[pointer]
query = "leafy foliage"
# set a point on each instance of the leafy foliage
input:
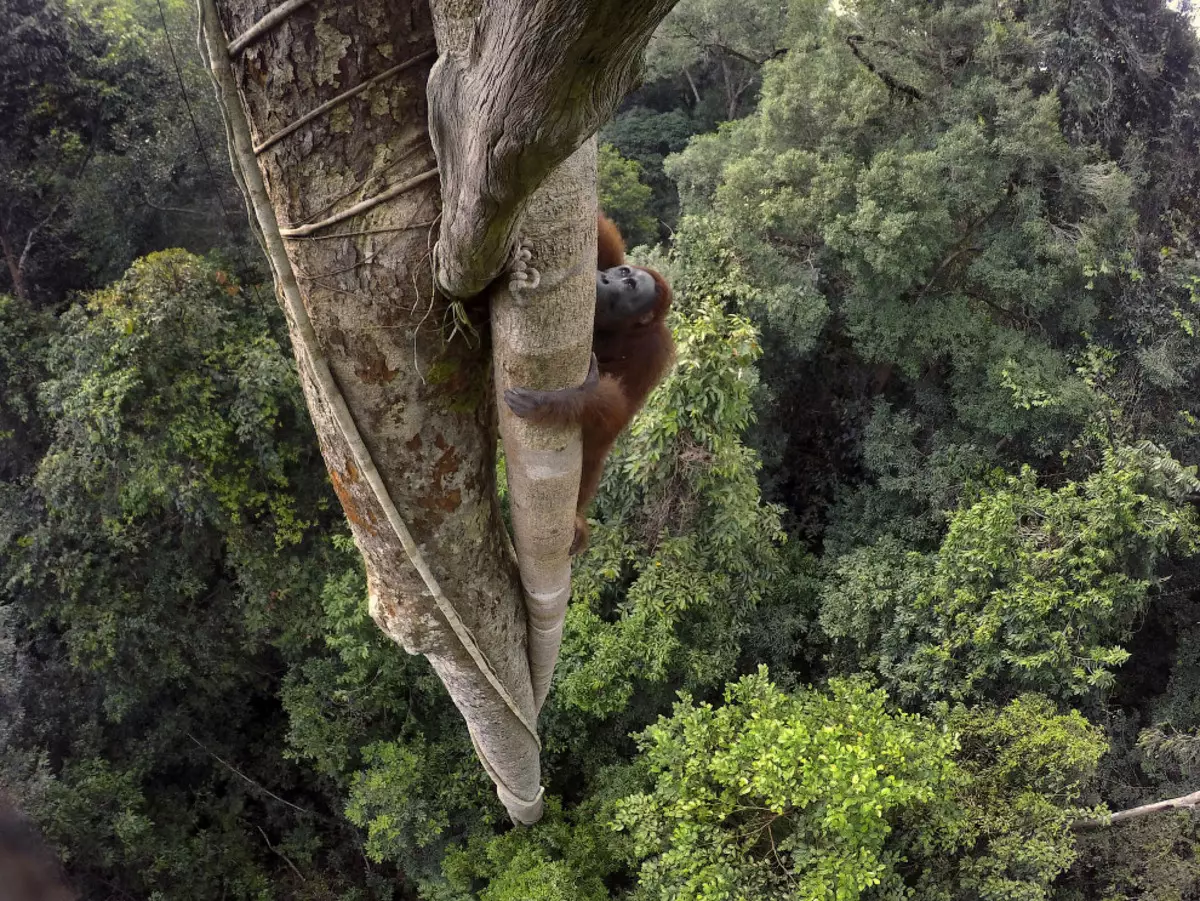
(101, 160)
(623, 196)
(164, 565)
(23, 339)
(1024, 771)
(1032, 588)
(776, 796)
(937, 316)
(685, 547)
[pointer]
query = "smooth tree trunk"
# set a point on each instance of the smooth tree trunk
(542, 338)
(519, 89)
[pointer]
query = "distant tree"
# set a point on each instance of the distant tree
(24, 334)
(647, 137)
(624, 197)
(734, 39)
(1032, 588)
(162, 569)
(107, 145)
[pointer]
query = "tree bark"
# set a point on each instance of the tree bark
(515, 98)
(542, 338)
(1183, 802)
(330, 134)
(16, 273)
(402, 412)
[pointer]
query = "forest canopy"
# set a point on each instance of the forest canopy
(893, 588)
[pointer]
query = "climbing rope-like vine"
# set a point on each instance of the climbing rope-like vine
(340, 98)
(270, 21)
(395, 190)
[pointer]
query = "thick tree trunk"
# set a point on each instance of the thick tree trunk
(346, 203)
(326, 106)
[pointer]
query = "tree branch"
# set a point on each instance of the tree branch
(520, 85)
(1183, 802)
(758, 61)
(893, 84)
(691, 84)
(963, 244)
(87, 158)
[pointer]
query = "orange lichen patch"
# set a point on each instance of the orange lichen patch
(343, 481)
(440, 497)
(447, 463)
(447, 502)
(372, 368)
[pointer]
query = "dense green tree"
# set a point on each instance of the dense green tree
(1031, 589)
(23, 338)
(944, 220)
(732, 41)
(624, 197)
(913, 222)
(645, 137)
(941, 281)
(163, 568)
(810, 795)
(777, 796)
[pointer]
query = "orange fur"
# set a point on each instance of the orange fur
(610, 246)
(631, 358)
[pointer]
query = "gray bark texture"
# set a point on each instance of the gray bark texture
(518, 87)
(518, 91)
(368, 328)
(542, 338)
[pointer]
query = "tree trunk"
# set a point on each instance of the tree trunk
(15, 273)
(731, 96)
(542, 338)
(402, 410)
(519, 87)
(687, 73)
(330, 136)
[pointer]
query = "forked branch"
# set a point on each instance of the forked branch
(518, 87)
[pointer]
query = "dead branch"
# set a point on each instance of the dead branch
(1183, 802)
